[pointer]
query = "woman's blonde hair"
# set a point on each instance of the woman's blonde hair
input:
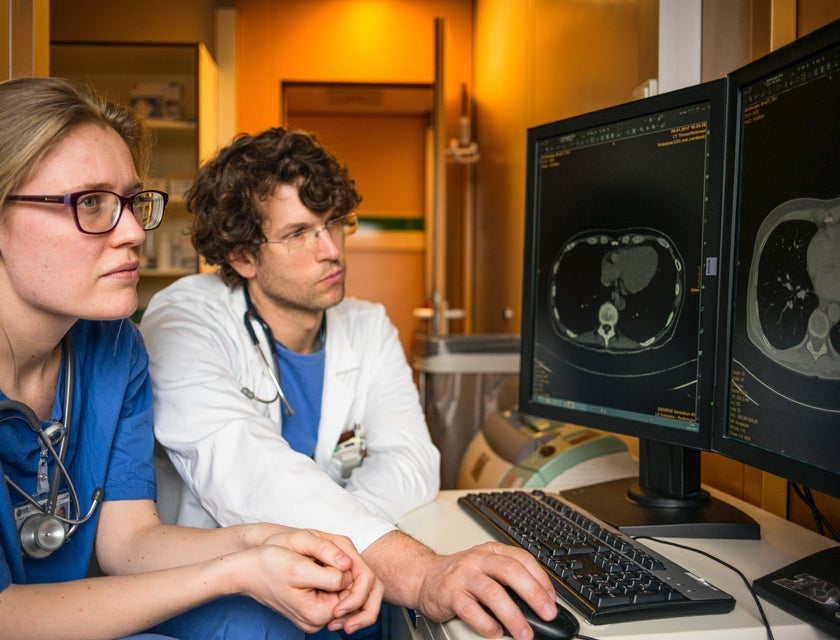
(35, 113)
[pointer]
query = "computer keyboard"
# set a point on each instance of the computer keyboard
(604, 574)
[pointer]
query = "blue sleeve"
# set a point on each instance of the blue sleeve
(8, 537)
(113, 422)
(131, 473)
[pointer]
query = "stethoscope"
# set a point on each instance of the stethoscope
(351, 448)
(46, 531)
(250, 317)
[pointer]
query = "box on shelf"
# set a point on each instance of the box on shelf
(156, 100)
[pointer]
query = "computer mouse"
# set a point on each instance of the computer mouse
(564, 627)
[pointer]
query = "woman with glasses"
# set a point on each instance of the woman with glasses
(76, 437)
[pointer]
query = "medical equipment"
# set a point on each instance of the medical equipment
(251, 315)
(42, 527)
(514, 451)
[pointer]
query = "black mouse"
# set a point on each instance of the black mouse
(564, 627)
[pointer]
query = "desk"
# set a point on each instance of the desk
(446, 528)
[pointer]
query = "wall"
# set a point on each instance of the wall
(147, 21)
(344, 40)
(544, 60)
(358, 41)
(536, 62)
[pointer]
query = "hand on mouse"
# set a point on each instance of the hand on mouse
(463, 584)
(502, 612)
(564, 626)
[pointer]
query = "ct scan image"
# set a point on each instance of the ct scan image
(793, 297)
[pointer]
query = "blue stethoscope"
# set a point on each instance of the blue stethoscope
(44, 532)
(250, 317)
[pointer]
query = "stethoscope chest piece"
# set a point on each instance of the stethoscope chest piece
(48, 523)
(41, 534)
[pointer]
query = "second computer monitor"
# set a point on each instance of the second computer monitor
(779, 378)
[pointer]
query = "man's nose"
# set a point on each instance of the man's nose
(325, 245)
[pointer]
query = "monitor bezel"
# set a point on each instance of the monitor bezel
(714, 93)
(824, 480)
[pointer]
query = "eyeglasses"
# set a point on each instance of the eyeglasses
(306, 238)
(98, 212)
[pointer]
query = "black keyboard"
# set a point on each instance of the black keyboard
(604, 574)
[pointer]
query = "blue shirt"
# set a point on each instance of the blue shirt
(110, 446)
(302, 379)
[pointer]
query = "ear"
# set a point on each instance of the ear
(243, 262)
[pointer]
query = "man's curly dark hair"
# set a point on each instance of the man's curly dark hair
(227, 192)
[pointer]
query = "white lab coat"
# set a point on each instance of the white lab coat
(229, 449)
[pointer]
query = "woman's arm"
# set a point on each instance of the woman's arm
(313, 579)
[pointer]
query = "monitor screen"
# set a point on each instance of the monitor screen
(620, 289)
(780, 346)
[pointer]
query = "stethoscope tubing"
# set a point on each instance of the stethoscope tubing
(50, 507)
(250, 316)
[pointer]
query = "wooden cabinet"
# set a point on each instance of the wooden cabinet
(175, 87)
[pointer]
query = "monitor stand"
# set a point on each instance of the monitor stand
(666, 500)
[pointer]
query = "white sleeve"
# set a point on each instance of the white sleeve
(402, 470)
(226, 448)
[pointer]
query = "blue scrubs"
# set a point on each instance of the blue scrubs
(110, 446)
(302, 379)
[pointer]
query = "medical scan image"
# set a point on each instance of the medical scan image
(617, 291)
(793, 308)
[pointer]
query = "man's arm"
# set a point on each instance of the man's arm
(402, 470)
(445, 586)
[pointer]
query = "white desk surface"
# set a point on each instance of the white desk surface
(446, 528)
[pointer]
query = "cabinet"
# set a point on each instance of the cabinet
(184, 126)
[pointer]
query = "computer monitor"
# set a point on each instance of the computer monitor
(620, 291)
(779, 343)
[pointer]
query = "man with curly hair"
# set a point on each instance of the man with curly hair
(279, 400)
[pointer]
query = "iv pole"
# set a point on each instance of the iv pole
(463, 151)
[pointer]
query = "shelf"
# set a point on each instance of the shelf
(159, 123)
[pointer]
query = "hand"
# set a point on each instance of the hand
(458, 585)
(360, 593)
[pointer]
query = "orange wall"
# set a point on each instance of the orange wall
(344, 41)
(358, 41)
(536, 62)
(385, 155)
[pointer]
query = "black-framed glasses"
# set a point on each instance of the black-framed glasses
(97, 211)
(307, 237)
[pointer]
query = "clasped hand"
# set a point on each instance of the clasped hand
(323, 581)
